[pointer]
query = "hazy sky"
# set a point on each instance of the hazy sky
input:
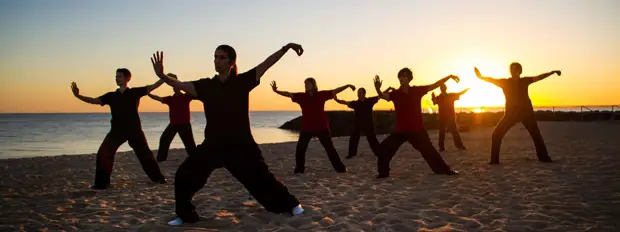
(47, 44)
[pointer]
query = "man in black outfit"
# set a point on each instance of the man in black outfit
(228, 138)
(518, 109)
(447, 116)
(363, 122)
(126, 127)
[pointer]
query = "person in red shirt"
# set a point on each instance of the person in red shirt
(228, 139)
(125, 127)
(314, 122)
(179, 114)
(518, 109)
(447, 116)
(409, 124)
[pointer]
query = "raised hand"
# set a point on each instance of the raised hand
(558, 72)
(352, 87)
(274, 86)
(477, 72)
(158, 63)
(296, 47)
(378, 82)
(75, 89)
(455, 78)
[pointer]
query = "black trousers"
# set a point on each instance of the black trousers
(113, 140)
(529, 122)
(326, 141)
(449, 124)
(369, 131)
(420, 141)
(243, 159)
(186, 134)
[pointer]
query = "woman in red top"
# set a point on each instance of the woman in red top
(409, 124)
(314, 122)
(178, 105)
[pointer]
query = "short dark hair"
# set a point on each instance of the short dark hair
(126, 73)
(407, 72)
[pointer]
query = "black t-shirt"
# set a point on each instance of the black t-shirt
(226, 104)
(124, 107)
(516, 94)
(363, 109)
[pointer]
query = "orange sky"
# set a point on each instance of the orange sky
(44, 48)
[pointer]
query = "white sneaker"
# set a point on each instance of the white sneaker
(176, 222)
(298, 210)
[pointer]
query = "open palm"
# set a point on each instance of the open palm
(158, 63)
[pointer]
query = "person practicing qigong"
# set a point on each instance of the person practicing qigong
(314, 122)
(410, 124)
(447, 116)
(179, 114)
(362, 108)
(518, 109)
(228, 139)
(125, 127)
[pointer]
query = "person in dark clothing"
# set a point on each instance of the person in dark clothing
(125, 127)
(228, 139)
(179, 114)
(362, 108)
(409, 124)
(518, 109)
(314, 122)
(447, 116)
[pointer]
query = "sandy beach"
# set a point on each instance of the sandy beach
(579, 192)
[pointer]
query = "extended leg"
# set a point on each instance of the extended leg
(332, 154)
(456, 136)
(300, 152)
(442, 134)
(187, 136)
(137, 141)
(164, 142)
(105, 159)
(255, 176)
(421, 142)
(190, 177)
(389, 146)
(498, 134)
(372, 140)
(541, 149)
(353, 142)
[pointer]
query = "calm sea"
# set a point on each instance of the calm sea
(28, 135)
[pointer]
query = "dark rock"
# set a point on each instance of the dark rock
(342, 122)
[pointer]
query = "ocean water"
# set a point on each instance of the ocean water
(28, 135)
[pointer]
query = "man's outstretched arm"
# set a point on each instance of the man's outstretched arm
(274, 87)
(442, 81)
(158, 66)
(545, 75)
(156, 98)
(76, 93)
(487, 79)
(342, 88)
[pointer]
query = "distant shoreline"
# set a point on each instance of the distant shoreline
(458, 109)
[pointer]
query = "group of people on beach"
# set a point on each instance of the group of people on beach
(229, 143)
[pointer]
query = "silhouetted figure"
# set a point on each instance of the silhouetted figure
(518, 109)
(228, 138)
(125, 127)
(363, 122)
(447, 116)
(179, 114)
(410, 124)
(314, 122)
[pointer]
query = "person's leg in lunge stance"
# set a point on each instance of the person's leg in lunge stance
(137, 141)
(300, 152)
(422, 142)
(105, 159)
(499, 132)
(332, 154)
(389, 147)
(187, 136)
(353, 142)
(164, 142)
(541, 149)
